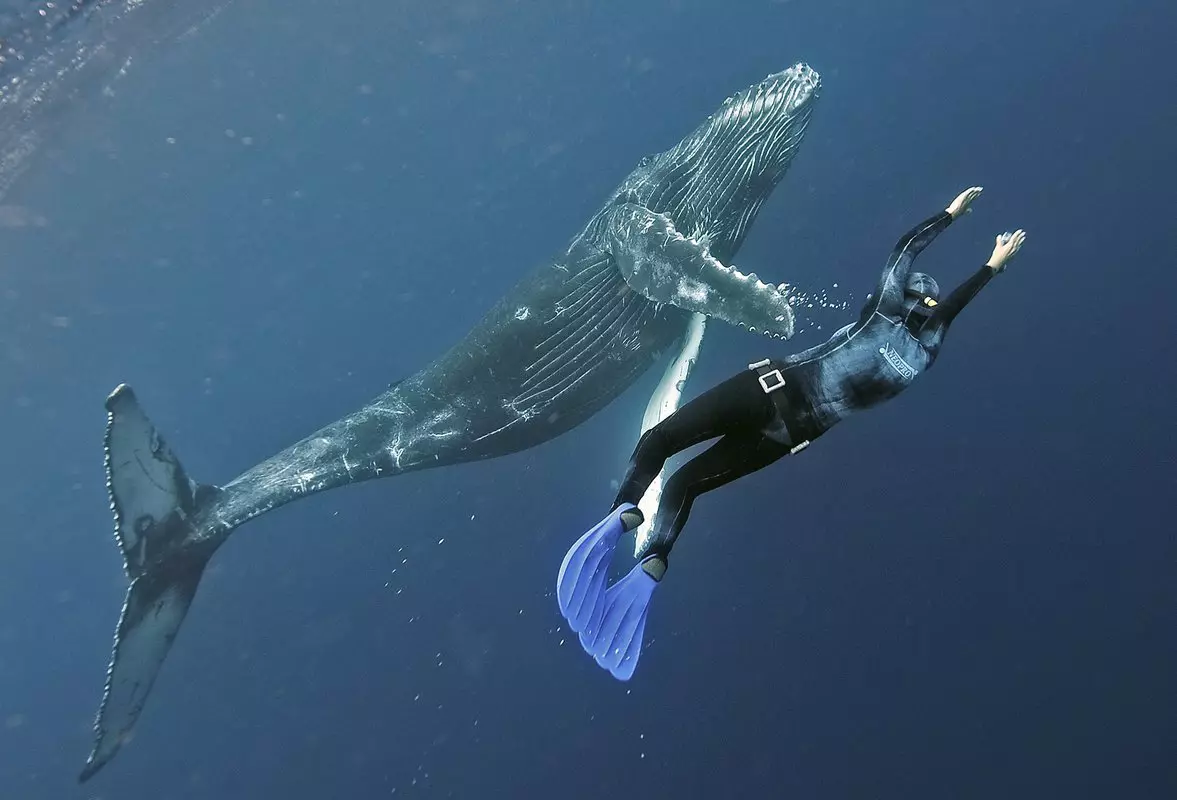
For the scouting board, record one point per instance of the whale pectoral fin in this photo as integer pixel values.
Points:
(664, 266)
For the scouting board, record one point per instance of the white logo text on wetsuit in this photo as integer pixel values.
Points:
(892, 357)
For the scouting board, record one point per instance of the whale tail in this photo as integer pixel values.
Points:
(155, 505)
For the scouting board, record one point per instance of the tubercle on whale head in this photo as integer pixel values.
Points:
(786, 92)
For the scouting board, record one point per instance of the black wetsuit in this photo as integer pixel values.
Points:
(779, 406)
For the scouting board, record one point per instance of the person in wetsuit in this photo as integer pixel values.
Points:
(775, 408)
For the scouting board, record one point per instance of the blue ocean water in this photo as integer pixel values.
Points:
(968, 592)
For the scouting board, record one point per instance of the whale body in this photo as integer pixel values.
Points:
(645, 270)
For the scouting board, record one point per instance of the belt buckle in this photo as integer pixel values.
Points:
(778, 381)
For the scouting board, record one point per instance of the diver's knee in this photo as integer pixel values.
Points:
(653, 444)
(680, 487)
(675, 493)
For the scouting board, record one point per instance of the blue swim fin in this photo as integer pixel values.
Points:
(614, 636)
(580, 586)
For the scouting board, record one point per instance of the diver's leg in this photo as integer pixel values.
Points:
(732, 405)
(730, 458)
(736, 406)
(613, 632)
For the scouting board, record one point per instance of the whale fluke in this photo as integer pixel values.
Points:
(154, 503)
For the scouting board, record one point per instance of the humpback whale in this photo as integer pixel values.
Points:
(645, 270)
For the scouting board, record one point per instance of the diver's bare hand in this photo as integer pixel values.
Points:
(963, 200)
(1006, 247)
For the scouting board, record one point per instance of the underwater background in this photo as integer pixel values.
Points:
(282, 207)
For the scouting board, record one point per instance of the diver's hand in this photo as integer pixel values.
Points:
(1006, 247)
(963, 200)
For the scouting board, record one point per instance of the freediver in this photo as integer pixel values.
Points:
(774, 408)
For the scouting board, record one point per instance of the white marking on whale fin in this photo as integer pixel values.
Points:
(664, 266)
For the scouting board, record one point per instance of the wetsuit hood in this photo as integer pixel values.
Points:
(919, 289)
(922, 285)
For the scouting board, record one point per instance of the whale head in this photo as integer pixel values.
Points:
(714, 181)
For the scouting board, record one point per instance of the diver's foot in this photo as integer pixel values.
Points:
(963, 200)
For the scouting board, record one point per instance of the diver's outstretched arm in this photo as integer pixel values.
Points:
(890, 290)
(1006, 247)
